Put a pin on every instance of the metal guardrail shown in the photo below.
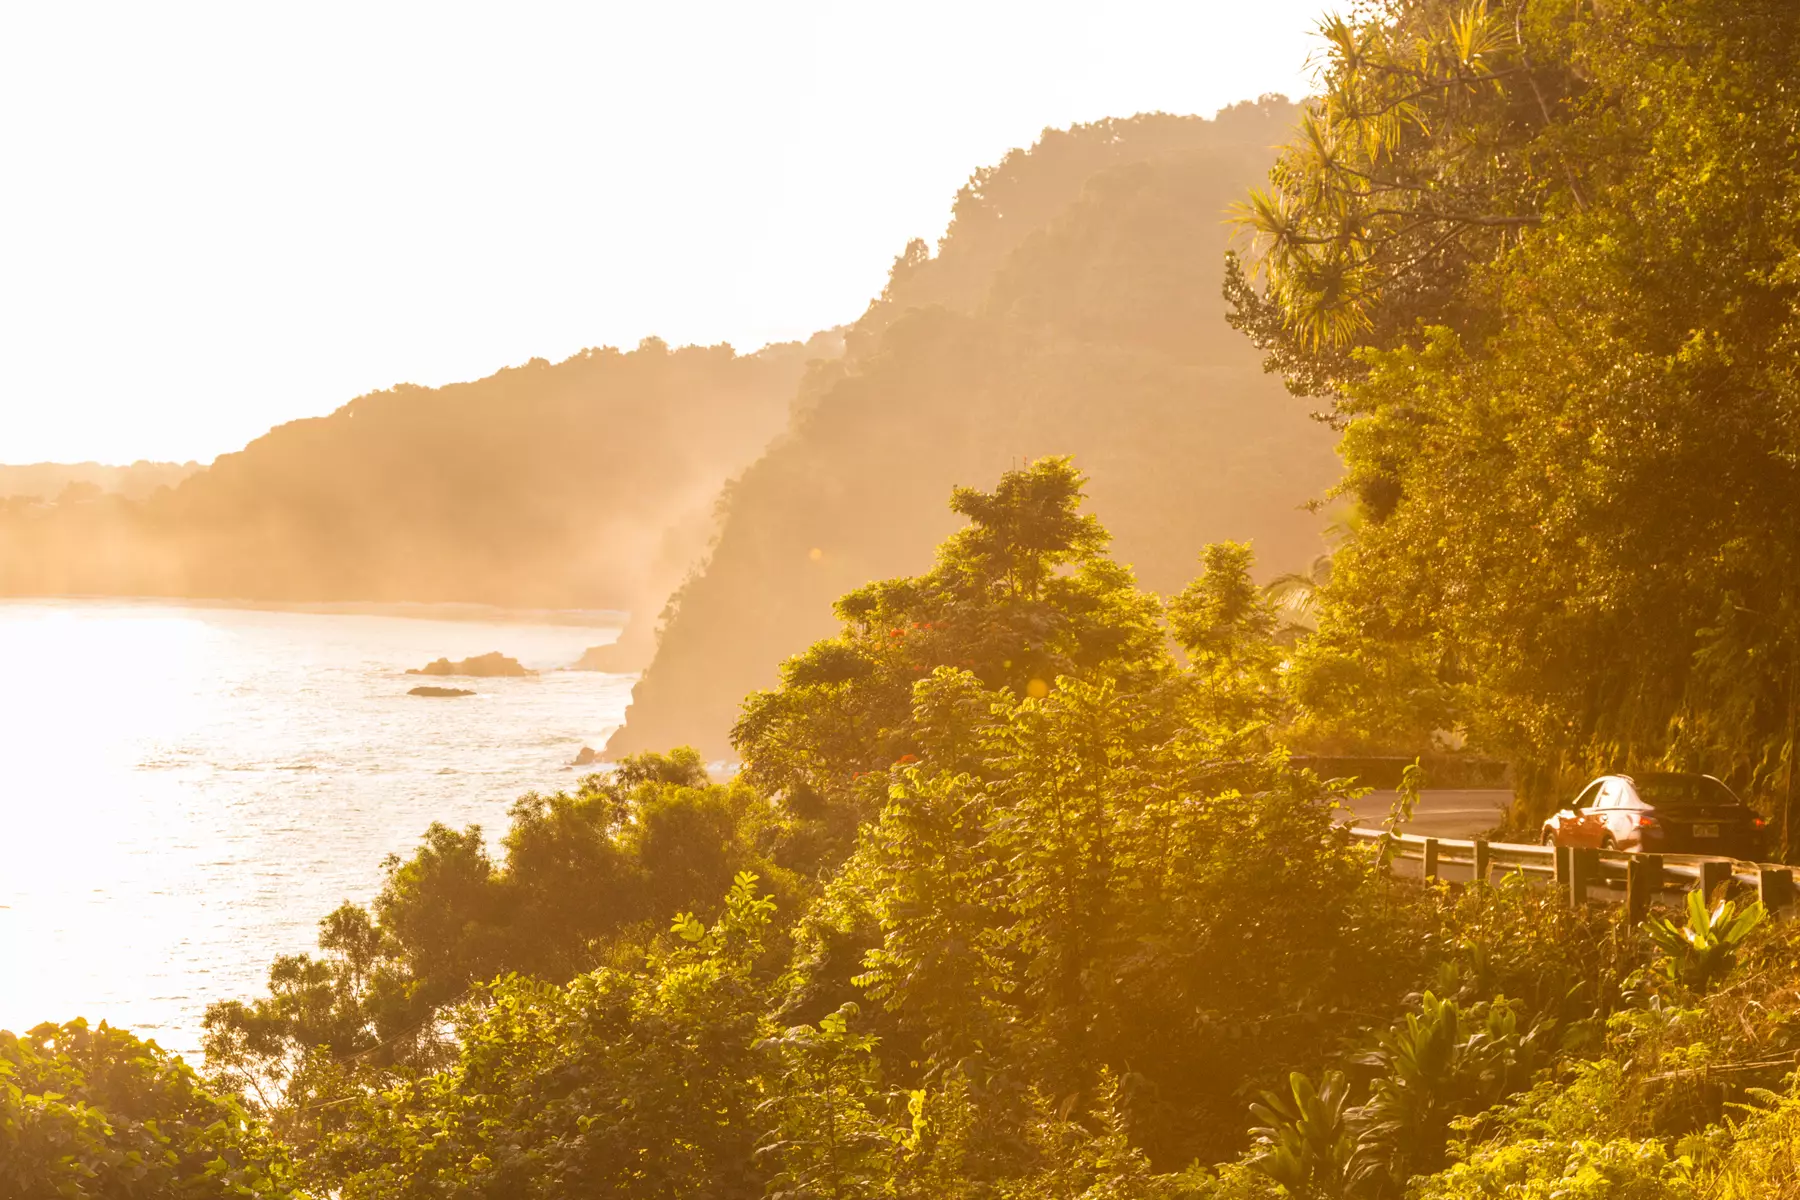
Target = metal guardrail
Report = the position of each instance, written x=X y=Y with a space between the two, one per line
x=1577 y=870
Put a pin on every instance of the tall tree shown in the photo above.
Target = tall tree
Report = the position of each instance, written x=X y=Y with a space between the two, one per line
x=1021 y=595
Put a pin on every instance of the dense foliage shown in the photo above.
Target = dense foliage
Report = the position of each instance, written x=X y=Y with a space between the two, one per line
x=1016 y=888
x=582 y=876
x=97 y=1112
x=1540 y=258
x=1018 y=895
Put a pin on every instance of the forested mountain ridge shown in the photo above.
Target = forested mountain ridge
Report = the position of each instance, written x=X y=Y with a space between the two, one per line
x=1071 y=308
x=586 y=483
x=48 y=481
x=1004 y=205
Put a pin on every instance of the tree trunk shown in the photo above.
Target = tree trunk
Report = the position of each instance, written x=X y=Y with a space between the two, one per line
x=1793 y=727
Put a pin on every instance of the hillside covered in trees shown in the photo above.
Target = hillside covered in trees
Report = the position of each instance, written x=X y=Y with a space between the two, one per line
x=49 y=482
x=585 y=483
x=1071 y=308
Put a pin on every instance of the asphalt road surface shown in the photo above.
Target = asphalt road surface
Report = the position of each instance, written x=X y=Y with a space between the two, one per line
x=1446 y=813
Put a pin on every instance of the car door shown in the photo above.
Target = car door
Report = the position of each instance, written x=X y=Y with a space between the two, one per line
x=1625 y=819
x=1589 y=826
x=1574 y=829
x=1615 y=814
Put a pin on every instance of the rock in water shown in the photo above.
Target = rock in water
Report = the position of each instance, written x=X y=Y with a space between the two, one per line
x=586 y=757
x=493 y=663
x=438 y=691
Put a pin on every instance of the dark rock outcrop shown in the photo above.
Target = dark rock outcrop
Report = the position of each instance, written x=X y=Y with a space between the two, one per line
x=491 y=664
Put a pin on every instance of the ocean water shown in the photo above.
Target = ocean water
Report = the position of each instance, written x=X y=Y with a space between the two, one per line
x=185 y=791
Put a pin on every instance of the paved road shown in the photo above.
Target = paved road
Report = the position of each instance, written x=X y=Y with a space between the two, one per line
x=1447 y=813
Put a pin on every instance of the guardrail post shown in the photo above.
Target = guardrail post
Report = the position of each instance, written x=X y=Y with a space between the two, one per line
x=1562 y=872
x=1714 y=874
x=1775 y=888
x=1643 y=879
x=1484 y=859
x=1431 y=858
x=1584 y=868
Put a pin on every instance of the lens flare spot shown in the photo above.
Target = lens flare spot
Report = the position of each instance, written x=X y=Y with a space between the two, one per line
x=1037 y=689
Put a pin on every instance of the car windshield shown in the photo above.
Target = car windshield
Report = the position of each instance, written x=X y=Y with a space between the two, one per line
x=1676 y=791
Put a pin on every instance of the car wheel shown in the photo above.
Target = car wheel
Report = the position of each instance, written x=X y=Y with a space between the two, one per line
x=1549 y=838
x=1607 y=843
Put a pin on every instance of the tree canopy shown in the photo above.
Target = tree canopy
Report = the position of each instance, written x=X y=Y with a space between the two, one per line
x=97 y=1112
x=1539 y=259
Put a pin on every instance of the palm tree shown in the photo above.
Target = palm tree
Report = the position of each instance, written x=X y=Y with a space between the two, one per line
x=1297 y=592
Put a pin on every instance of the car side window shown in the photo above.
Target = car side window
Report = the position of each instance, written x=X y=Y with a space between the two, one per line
x=1589 y=796
x=1610 y=793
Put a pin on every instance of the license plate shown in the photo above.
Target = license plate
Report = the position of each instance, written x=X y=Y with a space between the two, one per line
x=1706 y=831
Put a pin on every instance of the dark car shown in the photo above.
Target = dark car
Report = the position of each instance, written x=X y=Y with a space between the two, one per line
x=1660 y=812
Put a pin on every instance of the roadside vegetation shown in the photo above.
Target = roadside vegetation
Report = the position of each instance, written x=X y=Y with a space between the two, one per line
x=1538 y=263
x=1020 y=892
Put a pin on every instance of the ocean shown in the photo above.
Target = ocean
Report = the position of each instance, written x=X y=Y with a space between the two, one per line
x=186 y=791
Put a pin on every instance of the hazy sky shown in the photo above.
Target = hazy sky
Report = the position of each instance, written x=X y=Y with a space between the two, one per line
x=217 y=217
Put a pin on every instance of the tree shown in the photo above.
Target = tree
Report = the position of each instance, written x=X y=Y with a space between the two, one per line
x=1061 y=879
x=824 y=1141
x=583 y=880
x=1020 y=596
x=1227 y=626
x=624 y=1082
x=1540 y=260
x=90 y=1111
x=1431 y=148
